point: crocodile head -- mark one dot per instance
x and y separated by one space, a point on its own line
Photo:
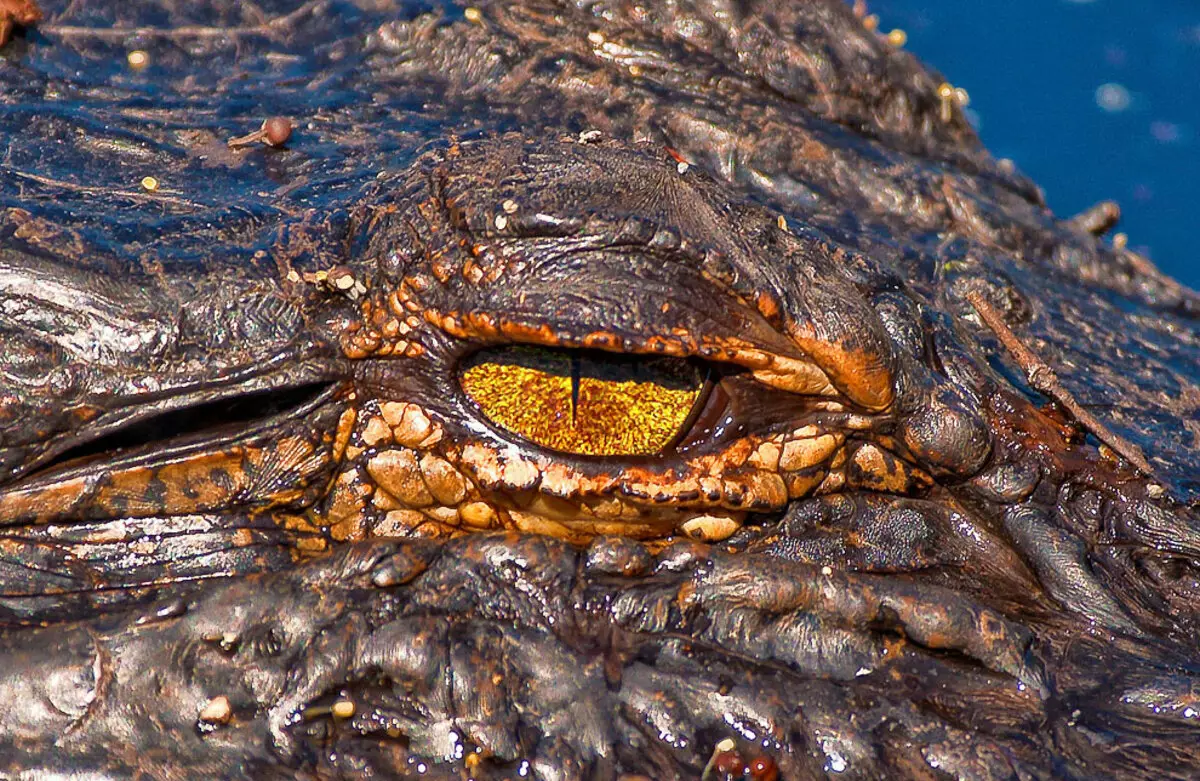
729 352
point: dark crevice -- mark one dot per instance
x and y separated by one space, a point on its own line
190 424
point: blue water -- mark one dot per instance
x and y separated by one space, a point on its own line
1094 99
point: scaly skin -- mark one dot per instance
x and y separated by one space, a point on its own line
252 526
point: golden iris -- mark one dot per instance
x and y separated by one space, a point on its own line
584 402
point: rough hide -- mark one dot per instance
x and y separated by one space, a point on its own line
251 527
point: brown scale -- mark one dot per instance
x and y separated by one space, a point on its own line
403 477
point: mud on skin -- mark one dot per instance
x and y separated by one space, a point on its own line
581 391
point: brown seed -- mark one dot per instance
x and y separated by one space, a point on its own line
762 769
277 130
274 131
728 763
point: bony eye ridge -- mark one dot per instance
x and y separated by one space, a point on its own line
585 402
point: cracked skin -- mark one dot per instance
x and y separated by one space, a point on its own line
587 391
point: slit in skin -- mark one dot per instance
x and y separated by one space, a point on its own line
189 425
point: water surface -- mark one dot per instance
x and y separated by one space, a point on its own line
1095 99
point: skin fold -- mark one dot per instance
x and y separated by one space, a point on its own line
258 518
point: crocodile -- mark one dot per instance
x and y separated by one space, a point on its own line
581 390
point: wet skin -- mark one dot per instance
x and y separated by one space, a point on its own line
820 512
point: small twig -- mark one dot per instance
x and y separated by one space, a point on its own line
187 31
1043 379
1097 219
274 132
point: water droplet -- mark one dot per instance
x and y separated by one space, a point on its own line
1112 97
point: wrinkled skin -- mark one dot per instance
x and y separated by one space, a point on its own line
236 461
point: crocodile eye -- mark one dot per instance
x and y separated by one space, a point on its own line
585 402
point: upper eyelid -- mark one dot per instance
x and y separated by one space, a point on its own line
487 329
